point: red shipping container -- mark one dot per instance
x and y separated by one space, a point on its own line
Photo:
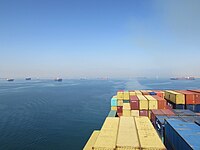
134 104
119 114
161 102
168 112
154 113
119 109
133 97
190 97
144 113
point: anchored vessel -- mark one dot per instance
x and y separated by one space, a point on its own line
183 78
28 78
58 79
10 79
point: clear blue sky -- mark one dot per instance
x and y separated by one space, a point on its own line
99 38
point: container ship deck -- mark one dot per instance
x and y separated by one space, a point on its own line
150 119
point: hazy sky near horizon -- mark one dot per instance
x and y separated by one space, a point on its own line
99 38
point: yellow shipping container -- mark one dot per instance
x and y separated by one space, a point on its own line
108 135
137 92
153 103
92 140
113 107
143 102
127 134
135 113
149 139
167 93
132 93
175 97
120 102
120 95
126 95
126 106
143 123
126 112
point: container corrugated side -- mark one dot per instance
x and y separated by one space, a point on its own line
143 123
143 102
127 134
190 97
175 97
166 95
153 103
92 140
182 135
108 135
148 137
150 140
161 102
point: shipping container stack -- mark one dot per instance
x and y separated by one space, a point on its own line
137 103
177 100
181 135
120 133
136 117
192 100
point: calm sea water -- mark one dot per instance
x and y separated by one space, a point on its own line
48 115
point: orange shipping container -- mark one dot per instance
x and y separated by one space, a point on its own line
190 97
161 102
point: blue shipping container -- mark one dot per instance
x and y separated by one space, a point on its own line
184 112
113 102
182 135
177 106
194 108
191 118
152 93
160 126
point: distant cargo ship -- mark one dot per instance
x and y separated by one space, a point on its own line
10 79
58 79
28 78
183 78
